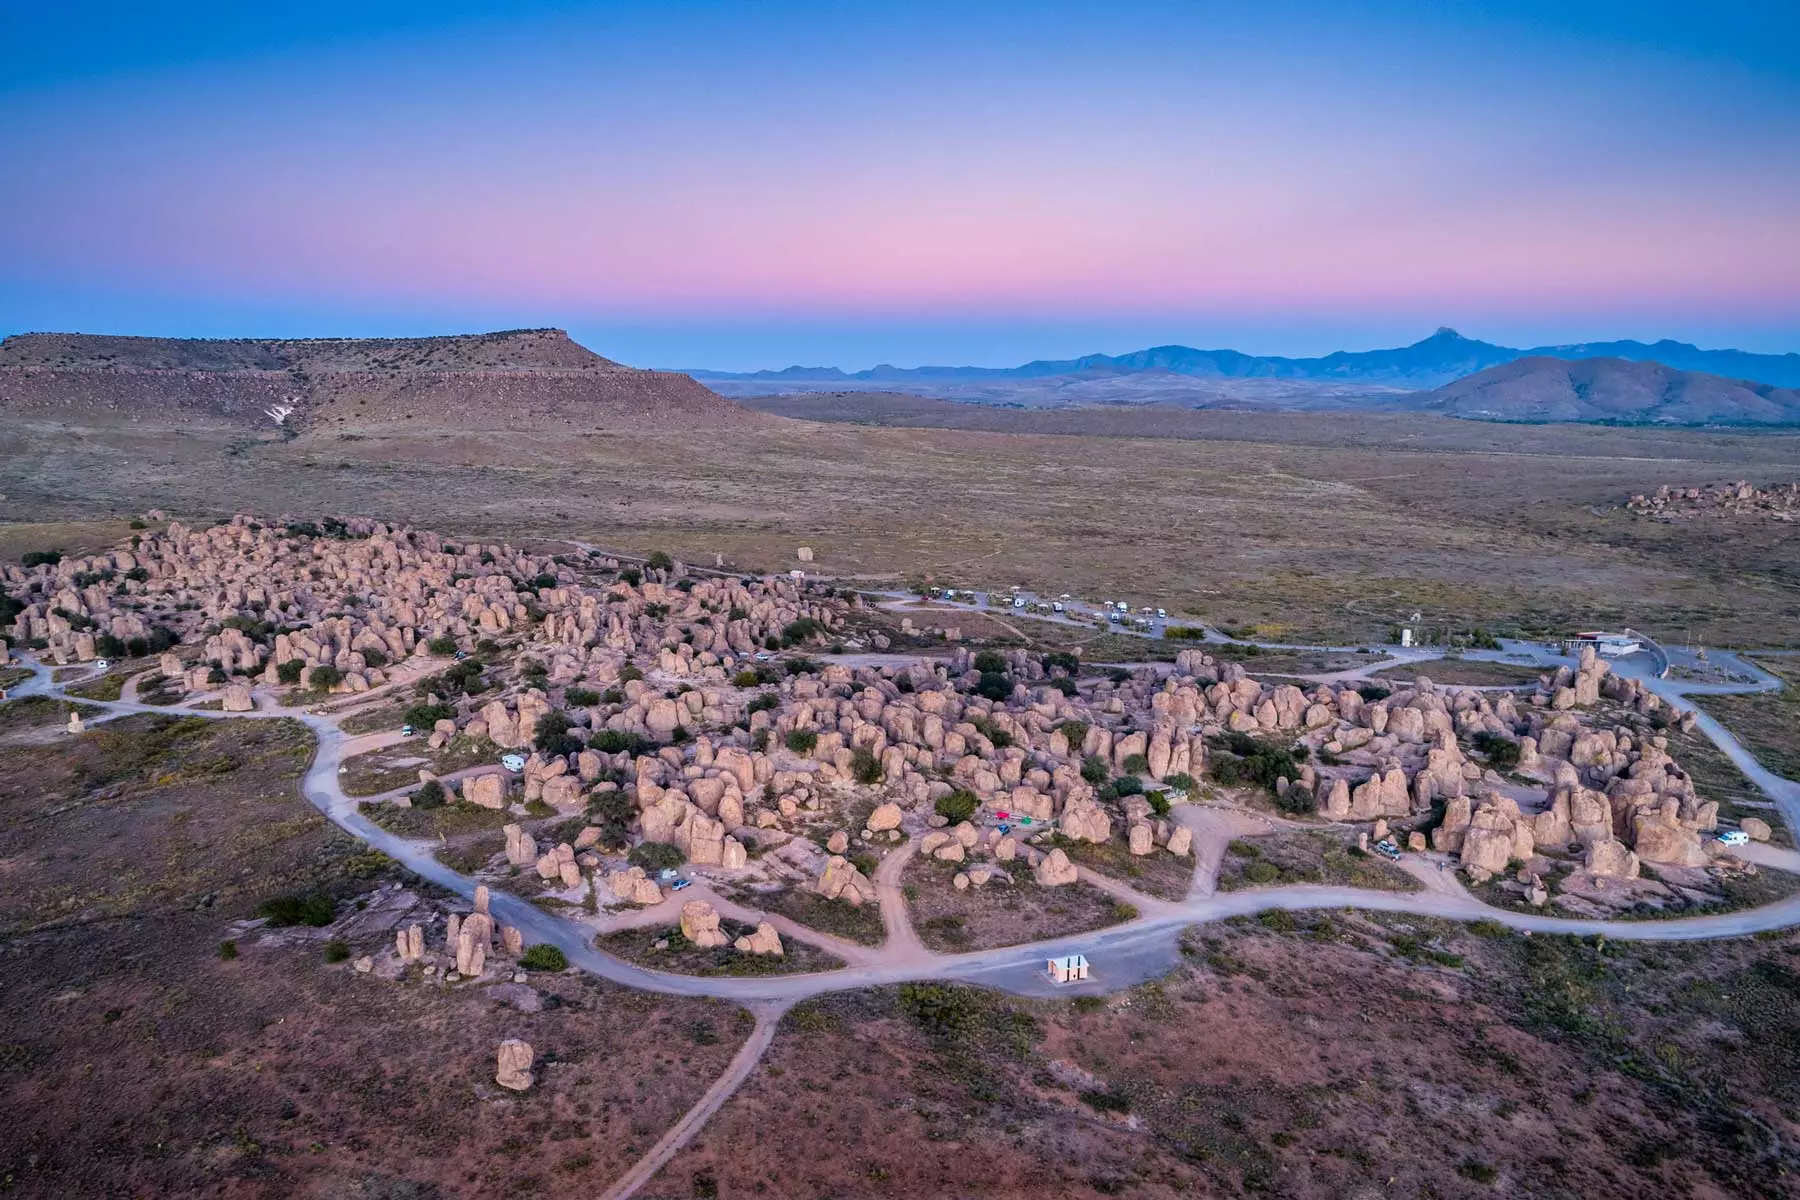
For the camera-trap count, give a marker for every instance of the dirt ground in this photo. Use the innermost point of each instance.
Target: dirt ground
(1462, 672)
(1158, 873)
(1311, 1056)
(137, 1059)
(684, 958)
(859, 923)
(1000, 914)
(1307, 856)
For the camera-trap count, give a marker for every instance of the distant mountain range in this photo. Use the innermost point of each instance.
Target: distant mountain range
(1440, 359)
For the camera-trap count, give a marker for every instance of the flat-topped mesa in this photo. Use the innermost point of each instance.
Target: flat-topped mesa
(511, 380)
(506, 350)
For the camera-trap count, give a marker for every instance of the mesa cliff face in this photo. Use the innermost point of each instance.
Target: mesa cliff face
(514, 380)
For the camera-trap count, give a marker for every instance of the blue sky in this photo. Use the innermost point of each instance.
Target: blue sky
(730, 185)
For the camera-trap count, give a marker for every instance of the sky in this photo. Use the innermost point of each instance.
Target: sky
(734, 185)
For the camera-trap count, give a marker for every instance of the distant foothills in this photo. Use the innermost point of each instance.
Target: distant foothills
(1442, 358)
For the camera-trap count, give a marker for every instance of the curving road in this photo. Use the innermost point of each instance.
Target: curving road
(1123, 954)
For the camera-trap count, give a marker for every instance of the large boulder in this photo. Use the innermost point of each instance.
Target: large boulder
(1610, 857)
(764, 941)
(840, 880)
(1659, 840)
(487, 791)
(1056, 870)
(1083, 820)
(886, 816)
(514, 1067)
(700, 925)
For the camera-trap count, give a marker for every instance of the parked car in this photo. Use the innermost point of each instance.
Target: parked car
(681, 884)
(1733, 837)
(513, 762)
(1388, 849)
(406, 731)
(1018, 602)
(1057, 606)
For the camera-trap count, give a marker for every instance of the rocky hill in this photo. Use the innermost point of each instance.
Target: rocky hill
(1613, 390)
(518, 379)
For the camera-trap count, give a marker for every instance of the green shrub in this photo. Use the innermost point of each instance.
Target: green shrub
(1095, 770)
(443, 647)
(1262, 872)
(990, 660)
(796, 632)
(325, 677)
(228, 949)
(1181, 781)
(865, 767)
(1502, 752)
(40, 558)
(300, 908)
(994, 685)
(941, 1009)
(337, 950)
(289, 671)
(629, 673)
(762, 702)
(1075, 733)
(1107, 1101)
(424, 716)
(544, 957)
(1159, 803)
(429, 795)
(580, 697)
(659, 561)
(108, 646)
(552, 738)
(375, 658)
(1128, 785)
(746, 679)
(619, 741)
(1298, 799)
(958, 806)
(1373, 692)
(1137, 764)
(656, 856)
(802, 741)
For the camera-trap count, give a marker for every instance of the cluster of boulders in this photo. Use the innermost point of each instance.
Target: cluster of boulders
(469, 939)
(1780, 502)
(359, 595)
(675, 715)
(700, 926)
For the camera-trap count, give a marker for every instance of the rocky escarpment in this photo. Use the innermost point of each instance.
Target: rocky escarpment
(517, 380)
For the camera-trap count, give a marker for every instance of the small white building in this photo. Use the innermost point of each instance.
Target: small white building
(1070, 968)
(1607, 645)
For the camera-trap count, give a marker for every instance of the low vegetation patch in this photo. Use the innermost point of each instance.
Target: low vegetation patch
(680, 956)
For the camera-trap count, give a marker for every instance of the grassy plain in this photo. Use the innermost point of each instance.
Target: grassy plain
(1316, 527)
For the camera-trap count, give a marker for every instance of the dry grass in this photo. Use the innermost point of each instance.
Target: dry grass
(1328, 538)
(1001, 913)
(1768, 722)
